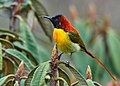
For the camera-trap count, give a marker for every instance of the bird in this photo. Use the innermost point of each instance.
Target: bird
(68, 39)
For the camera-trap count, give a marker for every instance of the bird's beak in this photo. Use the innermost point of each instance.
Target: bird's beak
(48, 17)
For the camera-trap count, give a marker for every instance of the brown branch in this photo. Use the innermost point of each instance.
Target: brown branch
(54, 67)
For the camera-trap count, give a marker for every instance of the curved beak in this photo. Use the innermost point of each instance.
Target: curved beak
(48, 17)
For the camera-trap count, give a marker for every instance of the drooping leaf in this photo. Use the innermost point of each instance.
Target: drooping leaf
(114, 48)
(8, 67)
(10, 37)
(10, 82)
(75, 83)
(21, 56)
(64, 82)
(30, 42)
(30, 76)
(3, 80)
(77, 74)
(39, 74)
(20, 47)
(3, 30)
(6, 43)
(64, 75)
(39, 12)
(15, 60)
(1, 59)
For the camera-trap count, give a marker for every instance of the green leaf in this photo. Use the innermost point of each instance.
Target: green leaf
(30, 76)
(64, 82)
(22, 81)
(85, 31)
(20, 56)
(3, 80)
(1, 59)
(10, 82)
(15, 60)
(39, 12)
(90, 82)
(39, 74)
(16, 83)
(77, 74)
(75, 83)
(30, 42)
(10, 37)
(20, 47)
(5, 4)
(3, 30)
(63, 75)
(6, 43)
(114, 48)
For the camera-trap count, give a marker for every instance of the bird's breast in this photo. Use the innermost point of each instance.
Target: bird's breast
(63, 41)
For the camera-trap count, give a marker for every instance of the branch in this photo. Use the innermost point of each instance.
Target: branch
(54, 67)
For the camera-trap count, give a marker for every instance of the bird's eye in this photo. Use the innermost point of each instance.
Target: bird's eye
(59, 23)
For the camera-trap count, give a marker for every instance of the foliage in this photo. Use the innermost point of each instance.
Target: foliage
(24, 62)
(102, 40)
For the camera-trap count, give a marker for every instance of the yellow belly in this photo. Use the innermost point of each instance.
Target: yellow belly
(63, 42)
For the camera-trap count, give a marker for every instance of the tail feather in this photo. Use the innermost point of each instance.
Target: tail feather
(94, 57)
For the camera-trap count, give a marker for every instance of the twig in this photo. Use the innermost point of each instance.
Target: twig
(54, 67)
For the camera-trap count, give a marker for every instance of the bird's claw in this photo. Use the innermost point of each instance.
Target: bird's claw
(59, 56)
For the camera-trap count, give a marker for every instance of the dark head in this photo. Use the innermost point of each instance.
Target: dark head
(59, 21)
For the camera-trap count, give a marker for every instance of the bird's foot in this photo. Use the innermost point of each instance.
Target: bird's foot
(59, 56)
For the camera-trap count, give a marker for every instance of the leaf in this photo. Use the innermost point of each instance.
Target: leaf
(90, 83)
(39, 74)
(64, 82)
(15, 60)
(64, 75)
(3, 80)
(99, 51)
(6, 43)
(22, 81)
(10, 82)
(75, 83)
(114, 48)
(8, 67)
(1, 59)
(3, 30)
(21, 56)
(20, 47)
(30, 76)
(5, 4)
(30, 42)
(10, 37)
(39, 12)
(96, 83)
(77, 74)
(85, 31)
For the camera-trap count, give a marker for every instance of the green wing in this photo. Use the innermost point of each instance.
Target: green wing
(75, 38)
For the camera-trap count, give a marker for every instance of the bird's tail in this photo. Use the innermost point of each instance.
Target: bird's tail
(94, 57)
